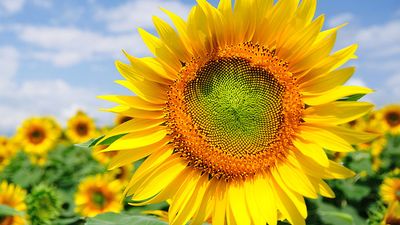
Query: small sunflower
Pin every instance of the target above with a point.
(98, 194)
(234, 112)
(8, 148)
(120, 119)
(392, 216)
(14, 197)
(37, 135)
(389, 116)
(390, 190)
(81, 128)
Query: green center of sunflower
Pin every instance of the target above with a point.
(99, 199)
(238, 107)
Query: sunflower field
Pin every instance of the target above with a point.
(241, 116)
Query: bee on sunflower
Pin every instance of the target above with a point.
(234, 112)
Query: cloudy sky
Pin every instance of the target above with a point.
(56, 56)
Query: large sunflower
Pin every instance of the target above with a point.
(38, 135)
(234, 112)
(98, 194)
(81, 128)
(14, 197)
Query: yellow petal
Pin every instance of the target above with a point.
(220, 199)
(255, 211)
(336, 112)
(238, 205)
(149, 91)
(266, 201)
(138, 139)
(136, 113)
(133, 102)
(134, 125)
(312, 151)
(294, 179)
(325, 139)
(328, 81)
(350, 135)
(333, 95)
(132, 155)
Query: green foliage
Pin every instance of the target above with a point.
(123, 219)
(43, 205)
(6, 210)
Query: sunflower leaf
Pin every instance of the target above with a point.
(6, 210)
(112, 139)
(123, 219)
(90, 143)
(353, 98)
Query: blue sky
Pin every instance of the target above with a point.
(56, 56)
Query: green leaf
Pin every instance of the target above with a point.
(336, 218)
(90, 143)
(353, 98)
(112, 139)
(6, 210)
(123, 219)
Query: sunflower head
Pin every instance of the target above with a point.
(43, 205)
(14, 197)
(8, 148)
(37, 135)
(98, 194)
(390, 190)
(81, 128)
(392, 216)
(389, 117)
(234, 112)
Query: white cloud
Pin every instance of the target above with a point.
(11, 6)
(8, 64)
(128, 16)
(340, 19)
(65, 46)
(22, 99)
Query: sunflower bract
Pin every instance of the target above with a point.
(233, 113)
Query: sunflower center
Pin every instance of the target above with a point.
(99, 199)
(236, 105)
(393, 118)
(36, 136)
(82, 129)
(232, 114)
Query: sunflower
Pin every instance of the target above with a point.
(120, 119)
(8, 148)
(234, 112)
(37, 135)
(102, 157)
(390, 190)
(81, 128)
(392, 216)
(12, 196)
(389, 116)
(98, 194)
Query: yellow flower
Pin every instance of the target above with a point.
(8, 148)
(14, 197)
(81, 128)
(389, 117)
(102, 157)
(98, 194)
(390, 190)
(234, 112)
(392, 216)
(37, 135)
